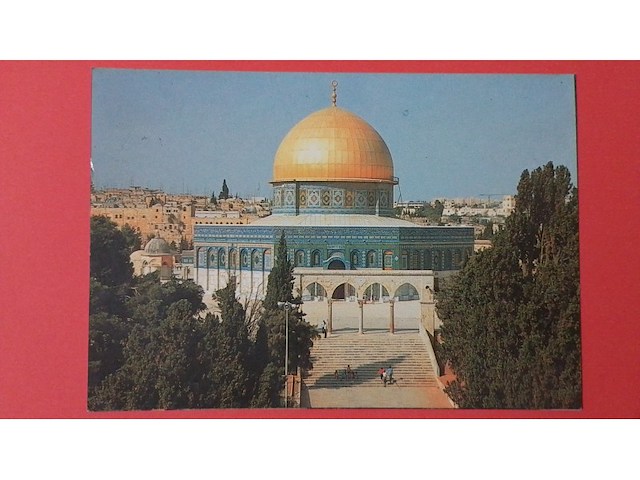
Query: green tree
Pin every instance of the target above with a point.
(185, 244)
(231, 370)
(511, 317)
(280, 282)
(107, 336)
(151, 298)
(160, 366)
(110, 277)
(487, 233)
(273, 321)
(224, 193)
(109, 253)
(132, 237)
(433, 213)
(150, 348)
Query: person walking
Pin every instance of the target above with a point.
(324, 328)
(381, 373)
(389, 374)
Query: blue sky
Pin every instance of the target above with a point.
(449, 135)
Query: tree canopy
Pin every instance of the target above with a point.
(132, 237)
(511, 316)
(150, 346)
(109, 253)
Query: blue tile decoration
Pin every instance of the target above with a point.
(384, 199)
(314, 197)
(289, 197)
(428, 247)
(326, 198)
(337, 198)
(348, 199)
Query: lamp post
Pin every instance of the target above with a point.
(287, 308)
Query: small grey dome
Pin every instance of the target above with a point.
(157, 246)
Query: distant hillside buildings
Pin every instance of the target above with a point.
(478, 213)
(155, 213)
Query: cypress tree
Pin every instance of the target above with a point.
(272, 322)
(280, 283)
(224, 193)
(233, 362)
(511, 317)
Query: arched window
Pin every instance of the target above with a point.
(201, 258)
(415, 262)
(299, 259)
(222, 258)
(388, 260)
(315, 258)
(233, 258)
(344, 291)
(267, 259)
(405, 260)
(244, 259)
(354, 258)
(371, 259)
(314, 291)
(257, 259)
(375, 292)
(406, 291)
(336, 264)
(212, 258)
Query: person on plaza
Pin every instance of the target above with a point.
(389, 374)
(324, 328)
(335, 374)
(381, 373)
(349, 372)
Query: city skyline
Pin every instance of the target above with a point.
(449, 135)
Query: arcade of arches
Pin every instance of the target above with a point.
(357, 288)
(374, 292)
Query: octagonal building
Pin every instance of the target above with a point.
(333, 181)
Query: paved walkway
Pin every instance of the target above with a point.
(391, 396)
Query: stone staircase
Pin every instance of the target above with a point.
(406, 352)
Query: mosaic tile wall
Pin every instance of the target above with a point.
(396, 248)
(361, 198)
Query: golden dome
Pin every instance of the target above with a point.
(333, 145)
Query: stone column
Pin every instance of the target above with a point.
(391, 316)
(361, 324)
(329, 315)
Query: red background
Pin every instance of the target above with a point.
(45, 144)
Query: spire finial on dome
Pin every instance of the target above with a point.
(334, 95)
